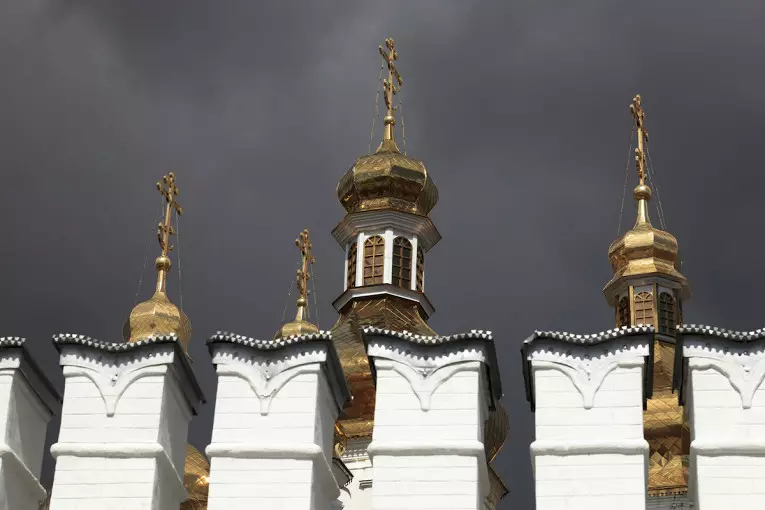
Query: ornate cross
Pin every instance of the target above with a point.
(394, 80)
(165, 228)
(303, 274)
(636, 108)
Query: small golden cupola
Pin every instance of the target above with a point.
(158, 316)
(388, 179)
(301, 325)
(647, 288)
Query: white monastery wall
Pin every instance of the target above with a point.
(275, 412)
(123, 429)
(587, 395)
(26, 407)
(427, 448)
(726, 396)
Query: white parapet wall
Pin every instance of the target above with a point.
(275, 411)
(27, 403)
(721, 374)
(433, 397)
(124, 424)
(587, 393)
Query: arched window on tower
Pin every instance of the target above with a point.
(402, 263)
(644, 309)
(420, 268)
(623, 312)
(351, 270)
(374, 260)
(667, 321)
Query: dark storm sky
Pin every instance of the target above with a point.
(518, 109)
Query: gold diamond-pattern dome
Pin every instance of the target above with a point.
(196, 479)
(387, 179)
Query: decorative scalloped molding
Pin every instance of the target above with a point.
(425, 372)
(265, 375)
(425, 381)
(113, 375)
(743, 367)
(587, 366)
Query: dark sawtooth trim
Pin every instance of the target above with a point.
(588, 340)
(495, 383)
(38, 381)
(711, 332)
(181, 362)
(333, 368)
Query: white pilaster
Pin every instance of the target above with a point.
(27, 403)
(413, 285)
(124, 423)
(433, 396)
(360, 259)
(389, 236)
(723, 388)
(272, 439)
(587, 393)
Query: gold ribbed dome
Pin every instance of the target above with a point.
(387, 180)
(645, 250)
(157, 316)
(196, 479)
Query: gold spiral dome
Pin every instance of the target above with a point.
(158, 316)
(387, 179)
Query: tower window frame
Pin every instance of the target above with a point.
(402, 263)
(667, 313)
(623, 312)
(374, 260)
(352, 263)
(644, 309)
(420, 271)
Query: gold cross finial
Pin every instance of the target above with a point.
(303, 274)
(169, 190)
(391, 85)
(636, 108)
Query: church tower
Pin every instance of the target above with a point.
(385, 235)
(648, 289)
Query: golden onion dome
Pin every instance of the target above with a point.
(645, 250)
(387, 179)
(298, 327)
(158, 316)
(196, 479)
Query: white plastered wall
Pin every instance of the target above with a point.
(726, 397)
(427, 448)
(589, 452)
(124, 424)
(272, 434)
(23, 422)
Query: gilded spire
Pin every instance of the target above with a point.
(391, 86)
(301, 325)
(642, 192)
(158, 316)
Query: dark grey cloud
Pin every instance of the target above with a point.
(519, 111)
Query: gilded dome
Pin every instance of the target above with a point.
(157, 316)
(645, 250)
(296, 328)
(196, 479)
(387, 179)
